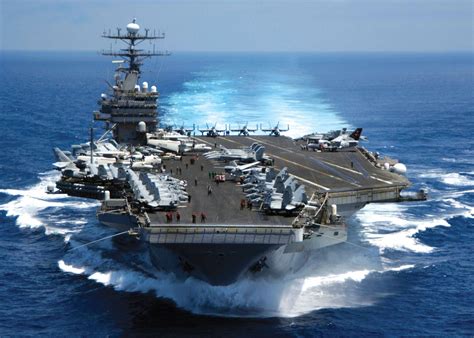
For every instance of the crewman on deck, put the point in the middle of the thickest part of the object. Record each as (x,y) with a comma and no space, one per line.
(195,181)
(242,204)
(178,216)
(193,217)
(203,217)
(209,190)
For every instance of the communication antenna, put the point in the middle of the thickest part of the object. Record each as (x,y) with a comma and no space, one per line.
(132,55)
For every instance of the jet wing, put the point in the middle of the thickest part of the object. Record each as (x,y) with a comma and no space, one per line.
(249,165)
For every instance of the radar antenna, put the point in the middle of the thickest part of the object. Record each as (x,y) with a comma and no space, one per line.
(133,56)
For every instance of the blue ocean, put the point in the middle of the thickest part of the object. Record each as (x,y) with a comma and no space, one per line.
(407,269)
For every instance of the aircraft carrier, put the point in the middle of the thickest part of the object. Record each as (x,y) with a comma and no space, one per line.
(229,203)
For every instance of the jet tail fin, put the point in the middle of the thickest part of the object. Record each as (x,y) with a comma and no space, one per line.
(61,156)
(259,153)
(356,134)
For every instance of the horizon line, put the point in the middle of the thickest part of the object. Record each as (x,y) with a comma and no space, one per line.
(257,51)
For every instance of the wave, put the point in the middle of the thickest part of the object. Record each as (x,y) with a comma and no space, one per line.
(284,296)
(226,98)
(460,209)
(453,179)
(394,226)
(390,226)
(33,207)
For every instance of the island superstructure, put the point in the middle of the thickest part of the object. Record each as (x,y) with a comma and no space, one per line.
(219,207)
(127,106)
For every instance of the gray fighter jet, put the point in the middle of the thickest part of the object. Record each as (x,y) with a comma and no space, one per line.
(212,131)
(252,154)
(275,131)
(244,130)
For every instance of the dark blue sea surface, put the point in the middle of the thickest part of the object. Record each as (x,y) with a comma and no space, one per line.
(408,269)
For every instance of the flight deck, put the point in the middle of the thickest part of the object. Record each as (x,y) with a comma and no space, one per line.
(319,171)
(343,172)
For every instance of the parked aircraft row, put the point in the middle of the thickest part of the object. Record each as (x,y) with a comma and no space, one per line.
(241,130)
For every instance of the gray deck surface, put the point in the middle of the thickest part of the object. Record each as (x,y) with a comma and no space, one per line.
(319,172)
(222,206)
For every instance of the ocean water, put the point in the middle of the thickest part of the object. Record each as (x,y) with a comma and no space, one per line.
(407,269)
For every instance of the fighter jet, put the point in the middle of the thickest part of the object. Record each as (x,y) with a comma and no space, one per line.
(167,145)
(245,130)
(275,131)
(212,131)
(237,170)
(333,140)
(182,130)
(251,154)
(344,140)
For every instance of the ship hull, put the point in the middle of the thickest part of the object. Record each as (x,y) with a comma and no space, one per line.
(216,264)
(118,220)
(348,210)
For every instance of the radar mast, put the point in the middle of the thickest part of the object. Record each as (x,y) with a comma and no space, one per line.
(131,55)
(131,110)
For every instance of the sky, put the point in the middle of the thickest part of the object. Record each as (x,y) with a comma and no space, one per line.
(247,25)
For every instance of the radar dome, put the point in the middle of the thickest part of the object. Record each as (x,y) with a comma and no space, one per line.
(141,127)
(400,168)
(133,27)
